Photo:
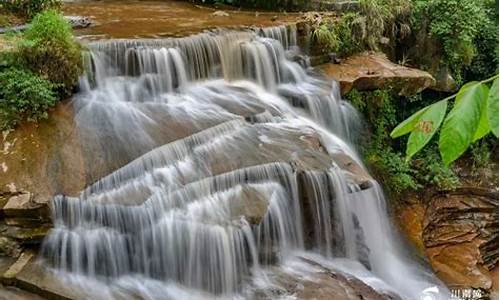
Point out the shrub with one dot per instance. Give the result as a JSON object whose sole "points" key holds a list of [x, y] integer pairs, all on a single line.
{"points": [[481, 155], [49, 50], [485, 63], [385, 157], [29, 8], [23, 94], [431, 171], [454, 24], [365, 29]]}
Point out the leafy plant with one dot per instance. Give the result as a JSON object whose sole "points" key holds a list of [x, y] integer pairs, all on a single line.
{"points": [[325, 35], [23, 94], [429, 170], [365, 29], [383, 154], [474, 115], [378, 107], [49, 49]]}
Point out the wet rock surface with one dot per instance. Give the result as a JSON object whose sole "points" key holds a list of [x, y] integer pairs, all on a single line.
{"points": [[321, 282], [38, 157], [371, 71]]}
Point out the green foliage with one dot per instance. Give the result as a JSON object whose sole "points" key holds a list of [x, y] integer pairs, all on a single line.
{"points": [[391, 168], [326, 35], [29, 8], [387, 164], [427, 125], [456, 25], [485, 62], [480, 154], [43, 65], [365, 29], [474, 115], [384, 156], [23, 94], [49, 49], [492, 108], [430, 170]]}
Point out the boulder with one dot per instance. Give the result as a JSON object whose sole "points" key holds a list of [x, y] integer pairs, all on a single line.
{"points": [[372, 71], [220, 13], [78, 22], [460, 234], [320, 282]]}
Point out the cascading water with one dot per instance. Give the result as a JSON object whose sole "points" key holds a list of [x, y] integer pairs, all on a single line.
{"points": [[226, 158]]}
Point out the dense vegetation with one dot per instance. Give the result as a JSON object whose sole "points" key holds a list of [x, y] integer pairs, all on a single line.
{"points": [[39, 67], [24, 94], [439, 36], [43, 65], [474, 115], [433, 35], [385, 156]]}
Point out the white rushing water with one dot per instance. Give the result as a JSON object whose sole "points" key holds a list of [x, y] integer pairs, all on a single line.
{"points": [[215, 185]]}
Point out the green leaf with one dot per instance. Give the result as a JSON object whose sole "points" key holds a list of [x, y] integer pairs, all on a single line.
{"points": [[427, 125], [461, 123], [483, 128], [492, 107], [408, 125]]}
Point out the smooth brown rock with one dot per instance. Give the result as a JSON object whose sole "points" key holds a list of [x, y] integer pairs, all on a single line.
{"points": [[372, 71]]}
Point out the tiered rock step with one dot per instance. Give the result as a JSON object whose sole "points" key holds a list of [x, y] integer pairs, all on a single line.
{"points": [[322, 282]]}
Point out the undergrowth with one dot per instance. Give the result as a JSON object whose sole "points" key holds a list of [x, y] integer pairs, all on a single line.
{"points": [[385, 157], [431, 30], [41, 66]]}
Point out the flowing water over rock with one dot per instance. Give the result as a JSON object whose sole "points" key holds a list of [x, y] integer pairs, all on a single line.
{"points": [[222, 168]]}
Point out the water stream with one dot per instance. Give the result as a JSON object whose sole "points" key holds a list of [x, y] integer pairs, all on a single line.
{"points": [[225, 157]]}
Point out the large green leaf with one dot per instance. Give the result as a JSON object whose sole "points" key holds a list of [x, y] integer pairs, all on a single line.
{"points": [[427, 125], [483, 128], [461, 123], [408, 125], [492, 108]]}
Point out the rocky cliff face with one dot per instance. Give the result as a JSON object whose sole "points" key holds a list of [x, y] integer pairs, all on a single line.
{"points": [[460, 234]]}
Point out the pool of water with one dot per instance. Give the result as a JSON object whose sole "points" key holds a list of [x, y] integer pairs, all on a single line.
{"points": [[155, 19]]}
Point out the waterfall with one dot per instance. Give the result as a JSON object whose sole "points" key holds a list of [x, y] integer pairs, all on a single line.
{"points": [[213, 159]]}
